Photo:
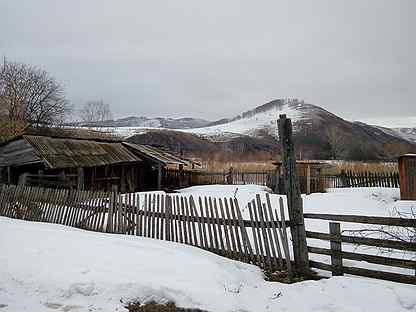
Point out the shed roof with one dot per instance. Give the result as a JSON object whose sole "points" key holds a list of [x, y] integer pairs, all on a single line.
{"points": [[157, 155], [67, 153]]}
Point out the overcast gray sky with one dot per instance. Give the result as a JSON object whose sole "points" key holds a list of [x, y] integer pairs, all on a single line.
{"points": [[216, 58]]}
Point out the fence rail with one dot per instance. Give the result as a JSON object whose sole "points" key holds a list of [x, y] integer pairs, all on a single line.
{"points": [[337, 255], [213, 224]]}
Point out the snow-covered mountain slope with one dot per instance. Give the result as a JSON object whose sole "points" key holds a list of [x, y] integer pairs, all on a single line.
{"points": [[263, 119], [146, 122], [406, 133]]}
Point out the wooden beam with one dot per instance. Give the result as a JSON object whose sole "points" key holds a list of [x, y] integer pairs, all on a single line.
{"points": [[80, 180], [336, 248], [294, 199], [9, 175], [159, 176], [363, 219]]}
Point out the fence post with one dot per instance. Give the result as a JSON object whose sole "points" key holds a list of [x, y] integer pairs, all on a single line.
{"points": [[111, 209], [294, 199], [336, 248]]}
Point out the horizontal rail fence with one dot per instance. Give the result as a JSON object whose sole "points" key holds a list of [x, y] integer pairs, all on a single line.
{"points": [[213, 224], [173, 178], [362, 179], [336, 239]]}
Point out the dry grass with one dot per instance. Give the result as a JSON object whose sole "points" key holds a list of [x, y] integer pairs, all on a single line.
{"points": [[358, 166], [335, 168], [220, 166]]}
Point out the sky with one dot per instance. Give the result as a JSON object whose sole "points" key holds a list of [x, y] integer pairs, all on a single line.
{"points": [[215, 59]]}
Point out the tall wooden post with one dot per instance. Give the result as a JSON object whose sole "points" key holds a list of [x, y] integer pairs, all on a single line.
{"points": [[308, 179], [294, 199], [80, 180], [159, 176], [9, 175]]}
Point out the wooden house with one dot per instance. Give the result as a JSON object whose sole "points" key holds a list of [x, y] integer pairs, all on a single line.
{"points": [[70, 163], [83, 162]]}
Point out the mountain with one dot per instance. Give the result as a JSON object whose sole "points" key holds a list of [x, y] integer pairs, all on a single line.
{"points": [[145, 122], [318, 134], [406, 133]]}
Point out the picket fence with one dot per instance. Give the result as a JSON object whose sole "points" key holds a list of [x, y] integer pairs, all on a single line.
{"points": [[362, 179], [213, 224]]}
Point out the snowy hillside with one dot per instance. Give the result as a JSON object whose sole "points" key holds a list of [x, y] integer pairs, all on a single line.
{"points": [[406, 133], [263, 118], [146, 122]]}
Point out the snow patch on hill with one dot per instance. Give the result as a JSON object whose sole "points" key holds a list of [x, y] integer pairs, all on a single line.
{"points": [[251, 122]]}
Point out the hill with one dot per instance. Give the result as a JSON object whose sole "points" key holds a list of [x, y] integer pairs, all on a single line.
{"points": [[318, 134]]}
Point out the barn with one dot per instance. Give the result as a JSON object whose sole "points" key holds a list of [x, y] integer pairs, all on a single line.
{"points": [[83, 163]]}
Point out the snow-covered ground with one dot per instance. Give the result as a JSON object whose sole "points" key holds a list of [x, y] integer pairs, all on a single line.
{"points": [[376, 201], [47, 267]]}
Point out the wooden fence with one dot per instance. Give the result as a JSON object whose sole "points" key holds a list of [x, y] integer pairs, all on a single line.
{"points": [[214, 224], [362, 179], [173, 178], [336, 238]]}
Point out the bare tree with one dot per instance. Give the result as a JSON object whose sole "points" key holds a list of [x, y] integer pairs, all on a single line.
{"points": [[95, 112], [29, 97], [336, 142]]}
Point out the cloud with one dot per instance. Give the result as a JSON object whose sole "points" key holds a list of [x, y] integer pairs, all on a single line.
{"points": [[217, 58]]}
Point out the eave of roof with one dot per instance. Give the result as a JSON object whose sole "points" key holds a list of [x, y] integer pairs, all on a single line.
{"points": [[156, 155]]}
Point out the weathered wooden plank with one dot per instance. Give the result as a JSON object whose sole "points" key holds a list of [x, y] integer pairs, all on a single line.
{"points": [[219, 225], [363, 219], [64, 207], [258, 230], [365, 241], [227, 238], [273, 253], [336, 248], [168, 221], [246, 242], [263, 230], [191, 218], [175, 219], [204, 230], [3, 193], [294, 198], [179, 219], [83, 211], [320, 265], [193, 208], [53, 206], [236, 227], [254, 233], [274, 230], [184, 221], [230, 228], [387, 261], [157, 221], [209, 224], [283, 236], [214, 224], [97, 211], [388, 276]]}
